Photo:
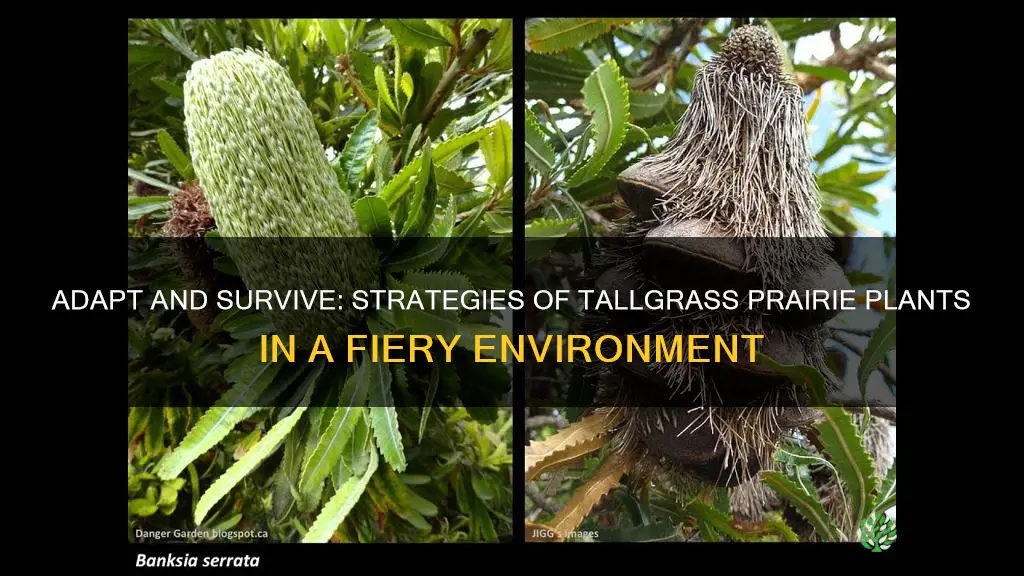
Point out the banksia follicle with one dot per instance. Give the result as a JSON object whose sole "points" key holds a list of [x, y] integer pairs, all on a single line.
{"points": [[259, 158], [729, 203]]}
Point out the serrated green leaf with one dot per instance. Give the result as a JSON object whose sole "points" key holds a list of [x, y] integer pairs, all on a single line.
{"points": [[887, 493], [808, 376], [469, 331], [334, 34], [414, 139], [835, 142], [179, 159], [414, 518], [254, 377], [166, 28], [398, 83], [881, 342], [646, 104], [548, 228], [382, 164], [429, 250], [550, 35], [793, 28], [316, 421], [451, 183], [248, 326], [171, 88], [498, 223], [415, 32], [542, 235], [287, 475], [329, 448], [707, 531], [389, 487], [425, 322], [435, 374], [718, 521], [357, 454], [852, 195], [384, 418], [338, 507], [420, 504], [538, 152], [595, 189], [480, 486], [255, 455], [139, 207], [606, 96], [424, 199], [408, 88], [825, 72], [441, 280], [807, 505], [372, 214], [398, 186], [228, 524], [138, 419], [383, 92], [499, 49], [838, 435], [154, 439], [553, 77], [357, 150], [445, 150], [481, 518], [444, 226], [136, 175], [496, 148]]}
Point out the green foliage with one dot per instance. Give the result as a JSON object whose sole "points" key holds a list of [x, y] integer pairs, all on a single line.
{"points": [[806, 503], [561, 34], [883, 340], [606, 97], [363, 452]]}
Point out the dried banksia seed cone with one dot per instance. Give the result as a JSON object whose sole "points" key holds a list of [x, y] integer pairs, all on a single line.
{"points": [[186, 229], [740, 160], [259, 159], [731, 202], [190, 214]]}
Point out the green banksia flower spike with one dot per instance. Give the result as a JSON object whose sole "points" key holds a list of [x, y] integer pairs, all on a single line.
{"points": [[259, 159]]}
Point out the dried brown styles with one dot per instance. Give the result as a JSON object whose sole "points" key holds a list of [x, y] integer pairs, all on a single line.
{"points": [[187, 226], [730, 203]]}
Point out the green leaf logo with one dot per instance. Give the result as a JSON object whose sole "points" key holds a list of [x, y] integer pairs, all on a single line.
{"points": [[878, 532]]}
